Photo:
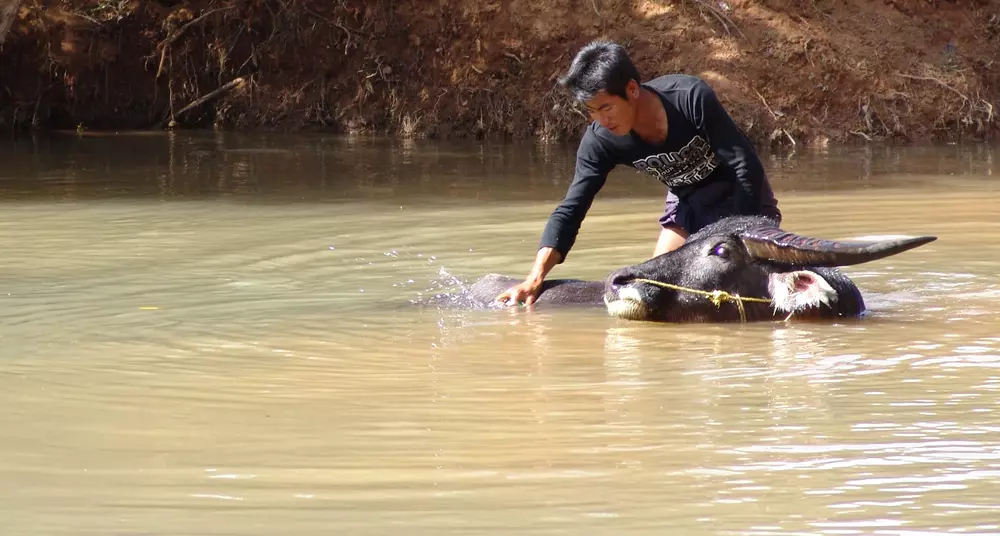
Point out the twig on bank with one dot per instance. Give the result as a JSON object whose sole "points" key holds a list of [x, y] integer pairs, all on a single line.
{"points": [[819, 11], [777, 132], [7, 15], [514, 57], [862, 134], [349, 31], [723, 19], [164, 46], [933, 79], [170, 95], [35, 121], [86, 17], [774, 114], [225, 88], [789, 136]]}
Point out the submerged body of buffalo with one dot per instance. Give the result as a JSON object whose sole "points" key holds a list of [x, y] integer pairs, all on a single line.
{"points": [[740, 268]]}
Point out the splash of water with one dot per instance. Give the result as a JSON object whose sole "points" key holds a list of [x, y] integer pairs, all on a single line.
{"points": [[446, 288]]}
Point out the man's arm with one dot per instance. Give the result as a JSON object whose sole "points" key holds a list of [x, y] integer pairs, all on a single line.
{"points": [[592, 168], [730, 145]]}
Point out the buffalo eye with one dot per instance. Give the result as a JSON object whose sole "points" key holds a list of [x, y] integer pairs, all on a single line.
{"points": [[721, 251]]}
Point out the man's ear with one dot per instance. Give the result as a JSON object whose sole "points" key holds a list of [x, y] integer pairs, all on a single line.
{"points": [[632, 89]]}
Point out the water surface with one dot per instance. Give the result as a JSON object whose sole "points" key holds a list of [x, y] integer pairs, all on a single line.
{"points": [[214, 334]]}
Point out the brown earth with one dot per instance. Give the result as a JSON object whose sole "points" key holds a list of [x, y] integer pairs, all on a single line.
{"points": [[790, 71]]}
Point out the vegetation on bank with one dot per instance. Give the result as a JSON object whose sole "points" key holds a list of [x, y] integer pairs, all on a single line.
{"points": [[791, 71]]}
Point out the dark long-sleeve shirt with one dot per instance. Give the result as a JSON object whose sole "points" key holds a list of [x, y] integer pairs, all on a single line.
{"points": [[708, 164]]}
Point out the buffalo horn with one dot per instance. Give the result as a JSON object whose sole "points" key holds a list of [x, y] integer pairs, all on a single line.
{"points": [[782, 247]]}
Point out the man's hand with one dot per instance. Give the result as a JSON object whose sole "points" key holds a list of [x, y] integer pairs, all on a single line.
{"points": [[527, 292], [524, 293]]}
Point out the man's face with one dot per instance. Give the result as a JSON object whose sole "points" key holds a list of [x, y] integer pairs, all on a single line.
{"points": [[612, 112]]}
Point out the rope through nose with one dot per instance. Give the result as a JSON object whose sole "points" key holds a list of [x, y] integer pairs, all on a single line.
{"points": [[717, 297]]}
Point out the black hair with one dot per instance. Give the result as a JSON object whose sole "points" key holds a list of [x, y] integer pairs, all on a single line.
{"points": [[601, 65]]}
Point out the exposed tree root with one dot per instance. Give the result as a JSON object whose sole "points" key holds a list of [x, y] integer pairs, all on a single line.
{"points": [[225, 88]]}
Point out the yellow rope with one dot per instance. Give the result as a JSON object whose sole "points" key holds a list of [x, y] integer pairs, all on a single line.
{"points": [[717, 297]]}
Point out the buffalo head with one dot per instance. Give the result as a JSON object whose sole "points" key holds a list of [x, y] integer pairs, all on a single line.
{"points": [[746, 268]]}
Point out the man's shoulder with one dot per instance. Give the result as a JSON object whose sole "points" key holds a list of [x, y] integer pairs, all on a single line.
{"points": [[675, 84], [596, 138], [599, 147]]}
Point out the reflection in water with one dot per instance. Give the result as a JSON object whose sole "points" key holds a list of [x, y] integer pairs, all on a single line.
{"points": [[325, 167], [218, 330]]}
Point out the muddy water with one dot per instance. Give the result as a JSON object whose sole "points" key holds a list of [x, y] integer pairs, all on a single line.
{"points": [[213, 334]]}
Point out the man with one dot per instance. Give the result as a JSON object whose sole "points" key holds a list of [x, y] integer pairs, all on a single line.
{"points": [[673, 128]]}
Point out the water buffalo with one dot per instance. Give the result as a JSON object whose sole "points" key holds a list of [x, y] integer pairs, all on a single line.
{"points": [[740, 268]]}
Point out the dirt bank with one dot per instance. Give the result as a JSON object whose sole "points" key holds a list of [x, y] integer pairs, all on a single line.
{"points": [[802, 71]]}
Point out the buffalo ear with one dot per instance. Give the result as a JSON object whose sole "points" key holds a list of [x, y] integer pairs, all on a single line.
{"points": [[800, 289], [778, 246]]}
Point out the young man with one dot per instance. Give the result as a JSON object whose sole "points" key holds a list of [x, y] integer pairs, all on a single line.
{"points": [[672, 128]]}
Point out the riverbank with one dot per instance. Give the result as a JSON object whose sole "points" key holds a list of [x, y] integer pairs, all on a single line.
{"points": [[803, 73]]}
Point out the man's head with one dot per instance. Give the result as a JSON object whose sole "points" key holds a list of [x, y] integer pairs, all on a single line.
{"points": [[603, 78]]}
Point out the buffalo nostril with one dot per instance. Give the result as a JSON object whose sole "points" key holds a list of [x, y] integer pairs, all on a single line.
{"points": [[620, 280]]}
